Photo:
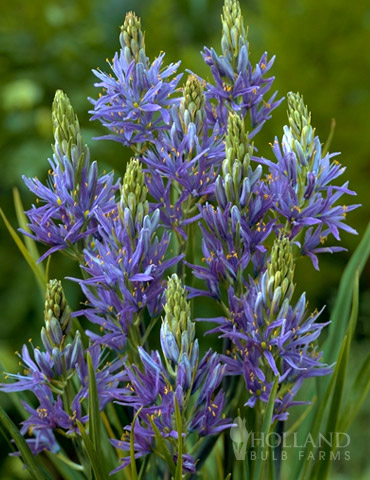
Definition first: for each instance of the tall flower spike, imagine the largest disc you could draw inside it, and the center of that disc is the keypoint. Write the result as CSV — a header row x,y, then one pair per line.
x,y
177,330
73,190
134,191
57,314
233,31
192,104
132,39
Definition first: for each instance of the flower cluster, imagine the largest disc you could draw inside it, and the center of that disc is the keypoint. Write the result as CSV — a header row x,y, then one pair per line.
x,y
185,380
194,176
58,377
74,189
134,103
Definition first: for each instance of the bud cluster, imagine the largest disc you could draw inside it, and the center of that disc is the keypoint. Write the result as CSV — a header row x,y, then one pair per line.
x,y
233,31
134,191
278,280
132,39
177,330
301,132
192,104
57,314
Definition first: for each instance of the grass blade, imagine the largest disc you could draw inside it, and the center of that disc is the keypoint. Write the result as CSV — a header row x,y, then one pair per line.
x,y
359,391
22,222
132,447
40,276
94,415
22,445
163,447
266,425
178,475
93,455
343,304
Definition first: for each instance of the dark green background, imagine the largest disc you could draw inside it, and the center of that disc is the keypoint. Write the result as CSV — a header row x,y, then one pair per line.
x,y
322,50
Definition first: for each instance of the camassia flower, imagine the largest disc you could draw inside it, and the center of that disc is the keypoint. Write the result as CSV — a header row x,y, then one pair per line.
x,y
183,162
125,267
58,377
238,86
270,337
135,101
73,190
124,275
301,182
154,390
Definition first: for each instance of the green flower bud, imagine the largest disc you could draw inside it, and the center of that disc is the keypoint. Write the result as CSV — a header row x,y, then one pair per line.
x,y
192,103
57,313
281,270
177,330
132,39
67,133
134,191
238,153
302,133
233,31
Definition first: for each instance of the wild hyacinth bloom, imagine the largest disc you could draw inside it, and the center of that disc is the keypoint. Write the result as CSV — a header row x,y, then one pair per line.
x,y
183,162
238,86
135,101
125,267
301,181
271,337
49,374
194,384
73,190
234,233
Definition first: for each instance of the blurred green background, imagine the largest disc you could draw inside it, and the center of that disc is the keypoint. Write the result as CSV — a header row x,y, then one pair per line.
x,y
322,50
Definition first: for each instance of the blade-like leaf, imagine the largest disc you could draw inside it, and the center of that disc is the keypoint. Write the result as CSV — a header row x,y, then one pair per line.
x,y
24,449
359,392
163,447
68,469
343,304
318,418
178,475
94,456
40,276
94,416
322,467
266,425
22,222
132,447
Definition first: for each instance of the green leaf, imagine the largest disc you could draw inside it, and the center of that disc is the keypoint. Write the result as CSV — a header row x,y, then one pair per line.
x,y
22,222
68,469
132,446
163,447
318,417
39,274
343,304
178,475
94,416
322,467
266,425
359,392
27,455
94,455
